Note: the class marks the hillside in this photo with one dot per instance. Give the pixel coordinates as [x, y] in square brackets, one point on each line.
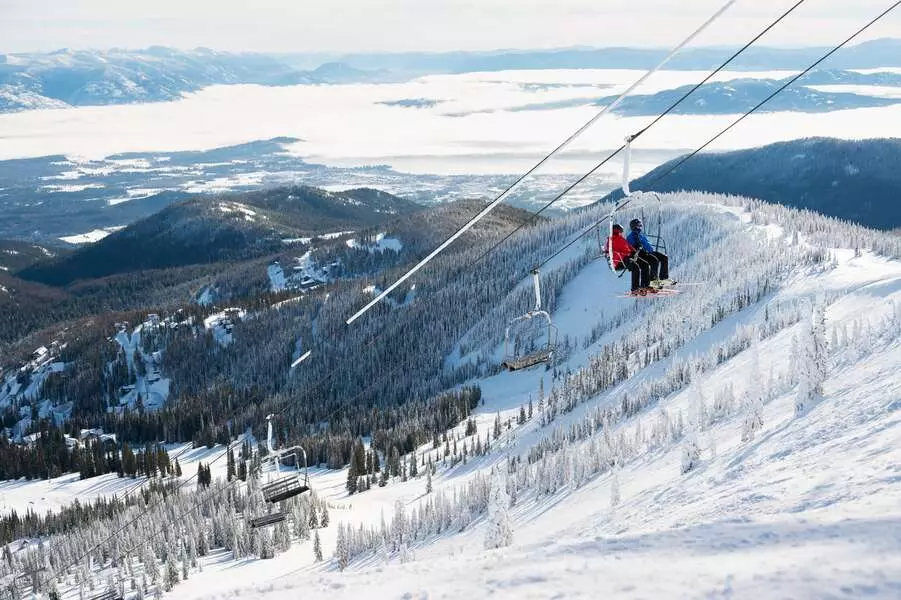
[66, 78]
[210, 229]
[665, 432]
[852, 180]
[17, 255]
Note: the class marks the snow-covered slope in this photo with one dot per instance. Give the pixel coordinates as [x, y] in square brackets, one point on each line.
[664, 456]
[810, 507]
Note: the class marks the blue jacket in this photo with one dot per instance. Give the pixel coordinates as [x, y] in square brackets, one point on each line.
[638, 240]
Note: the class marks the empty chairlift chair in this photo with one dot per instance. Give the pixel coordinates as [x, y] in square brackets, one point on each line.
[516, 358]
[282, 487]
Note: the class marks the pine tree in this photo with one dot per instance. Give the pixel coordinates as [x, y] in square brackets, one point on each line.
[171, 572]
[499, 533]
[317, 547]
[323, 519]
[230, 467]
[691, 452]
[614, 489]
[428, 481]
[342, 552]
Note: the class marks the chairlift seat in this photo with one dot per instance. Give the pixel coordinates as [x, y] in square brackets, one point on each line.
[529, 360]
[107, 595]
[284, 488]
[266, 520]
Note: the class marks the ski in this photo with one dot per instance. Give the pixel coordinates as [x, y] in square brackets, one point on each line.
[665, 292]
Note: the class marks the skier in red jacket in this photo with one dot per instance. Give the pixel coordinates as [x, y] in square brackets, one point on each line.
[624, 256]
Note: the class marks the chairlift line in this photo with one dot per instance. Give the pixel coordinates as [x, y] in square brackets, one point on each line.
[302, 358]
[757, 107]
[547, 157]
[636, 135]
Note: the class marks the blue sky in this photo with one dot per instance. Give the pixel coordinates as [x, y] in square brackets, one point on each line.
[431, 25]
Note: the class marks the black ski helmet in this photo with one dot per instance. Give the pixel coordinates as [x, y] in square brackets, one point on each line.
[635, 224]
[617, 227]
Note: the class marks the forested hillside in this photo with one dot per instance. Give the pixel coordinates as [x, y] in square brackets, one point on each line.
[853, 180]
[218, 228]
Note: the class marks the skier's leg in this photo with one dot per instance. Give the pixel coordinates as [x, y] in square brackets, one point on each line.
[653, 264]
[664, 264]
[633, 268]
[645, 269]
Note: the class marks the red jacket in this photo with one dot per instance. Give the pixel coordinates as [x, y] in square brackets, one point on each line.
[620, 247]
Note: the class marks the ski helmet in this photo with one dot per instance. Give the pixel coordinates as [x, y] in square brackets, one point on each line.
[635, 224]
[617, 227]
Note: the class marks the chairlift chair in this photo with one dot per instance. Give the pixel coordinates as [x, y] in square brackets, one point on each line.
[654, 238]
[267, 520]
[515, 360]
[283, 487]
[107, 595]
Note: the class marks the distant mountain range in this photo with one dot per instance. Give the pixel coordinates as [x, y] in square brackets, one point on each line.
[82, 78]
[740, 95]
[79, 77]
[852, 180]
[867, 55]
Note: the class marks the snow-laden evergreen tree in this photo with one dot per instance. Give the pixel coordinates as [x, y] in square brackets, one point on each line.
[266, 545]
[428, 481]
[812, 360]
[171, 578]
[752, 421]
[342, 551]
[614, 489]
[499, 533]
[691, 451]
[317, 547]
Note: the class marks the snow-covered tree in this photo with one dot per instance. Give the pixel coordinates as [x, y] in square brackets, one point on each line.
[812, 360]
[317, 547]
[614, 489]
[499, 532]
[691, 452]
[752, 420]
[342, 551]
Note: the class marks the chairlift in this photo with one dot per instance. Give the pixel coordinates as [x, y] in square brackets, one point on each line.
[107, 595]
[655, 238]
[514, 358]
[267, 520]
[283, 487]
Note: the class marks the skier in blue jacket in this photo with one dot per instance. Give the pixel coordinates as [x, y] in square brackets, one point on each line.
[657, 261]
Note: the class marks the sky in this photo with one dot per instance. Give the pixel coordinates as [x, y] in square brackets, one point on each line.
[337, 26]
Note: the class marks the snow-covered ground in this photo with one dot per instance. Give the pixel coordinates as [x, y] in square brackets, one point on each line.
[41, 496]
[808, 508]
[381, 244]
[95, 235]
[466, 125]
